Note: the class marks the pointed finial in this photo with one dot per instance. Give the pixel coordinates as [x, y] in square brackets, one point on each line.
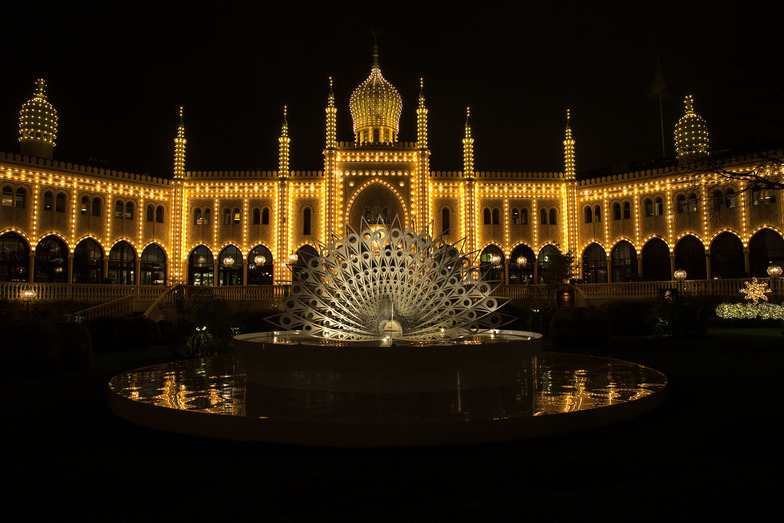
[330, 85]
[375, 47]
[568, 117]
[468, 114]
[40, 88]
[284, 114]
[181, 115]
[688, 103]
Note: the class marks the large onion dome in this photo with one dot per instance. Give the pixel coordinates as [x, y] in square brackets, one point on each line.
[38, 124]
[376, 107]
[691, 132]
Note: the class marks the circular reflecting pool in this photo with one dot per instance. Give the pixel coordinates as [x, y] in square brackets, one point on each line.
[550, 393]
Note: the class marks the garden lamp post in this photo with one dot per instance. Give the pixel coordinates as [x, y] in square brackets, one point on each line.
[679, 276]
[774, 271]
[27, 296]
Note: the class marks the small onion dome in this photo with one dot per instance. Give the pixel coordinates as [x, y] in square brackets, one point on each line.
[375, 107]
[691, 132]
[38, 119]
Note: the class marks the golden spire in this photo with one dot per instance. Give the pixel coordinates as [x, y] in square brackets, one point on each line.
[376, 107]
[331, 118]
[569, 167]
[422, 117]
[179, 150]
[468, 148]
[283, 159]
[38, 124]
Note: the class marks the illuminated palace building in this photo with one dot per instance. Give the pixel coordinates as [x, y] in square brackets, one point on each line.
[64, 222]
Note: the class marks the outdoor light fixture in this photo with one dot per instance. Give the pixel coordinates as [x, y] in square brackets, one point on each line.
[495, 259]
[259, 260]
[522, 261]
[228, 261]
[293, 258]
[679, 275]
[774, 271]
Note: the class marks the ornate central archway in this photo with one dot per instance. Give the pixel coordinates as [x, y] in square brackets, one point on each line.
[376, 201]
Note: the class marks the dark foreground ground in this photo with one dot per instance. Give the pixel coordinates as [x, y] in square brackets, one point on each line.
[714, 449]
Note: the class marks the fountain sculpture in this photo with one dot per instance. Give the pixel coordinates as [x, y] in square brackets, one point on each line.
[388, 337]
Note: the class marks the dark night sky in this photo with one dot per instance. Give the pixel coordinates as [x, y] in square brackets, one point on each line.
[117, 76]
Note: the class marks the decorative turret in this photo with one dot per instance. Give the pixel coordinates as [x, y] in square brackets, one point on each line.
[179, 150]
[691, 133]
[38, 124]
[331, 118]
[376, 107]
[569, 166]
[421, 118]
[283, 159]
[468, 149]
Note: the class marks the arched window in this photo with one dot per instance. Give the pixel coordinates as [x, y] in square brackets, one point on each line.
[236, 216]
[201, 270]
[197, 216]
[588, 215]
[8, 196]
[206, 219]
[648, 207]
[444, 221]
[21, 198]
[717, 200]
[306, 221]
[265, 216]
[118, 209]
[96, 207]
[153, 266]
[368, 214]
[48, 201]
[85, 205]
[515, 216]
[729, 199]
[616, 211]
[256, 216]
[88, 262]
[14, 258]
[260, 266]
[486, 216]
[597, 213]
[524, 216]
[129, 211]
[159, 214]
[542, 217]
[226, 216]
[553, 221]
[627, 210]
[150, 213]
[51, 261]
[658, 207]
[692, 203]
[496, 216]
[122, 264]
[681, 204]
[59, 205]
[230, 266]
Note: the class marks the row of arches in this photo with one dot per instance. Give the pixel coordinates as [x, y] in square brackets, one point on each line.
[51, 262]
[227, 269]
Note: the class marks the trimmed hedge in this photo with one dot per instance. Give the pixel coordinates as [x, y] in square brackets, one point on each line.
[44, 345]
[123, 333]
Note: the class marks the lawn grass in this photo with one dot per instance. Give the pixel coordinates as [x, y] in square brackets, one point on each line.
[712, 449]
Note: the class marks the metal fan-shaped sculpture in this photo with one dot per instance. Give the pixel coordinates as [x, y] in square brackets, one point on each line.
[387, 283]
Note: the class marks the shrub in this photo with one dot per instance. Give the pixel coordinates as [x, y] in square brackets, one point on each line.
[123, 333]
[579, 326]
[629, 316]
[30, 345]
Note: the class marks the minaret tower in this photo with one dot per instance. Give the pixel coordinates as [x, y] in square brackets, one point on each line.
[179, 150]
[282, 274]
[38, 124]
[469, 200]
[179, 211]
[330, 206]
[569, 222]
[425, 211]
